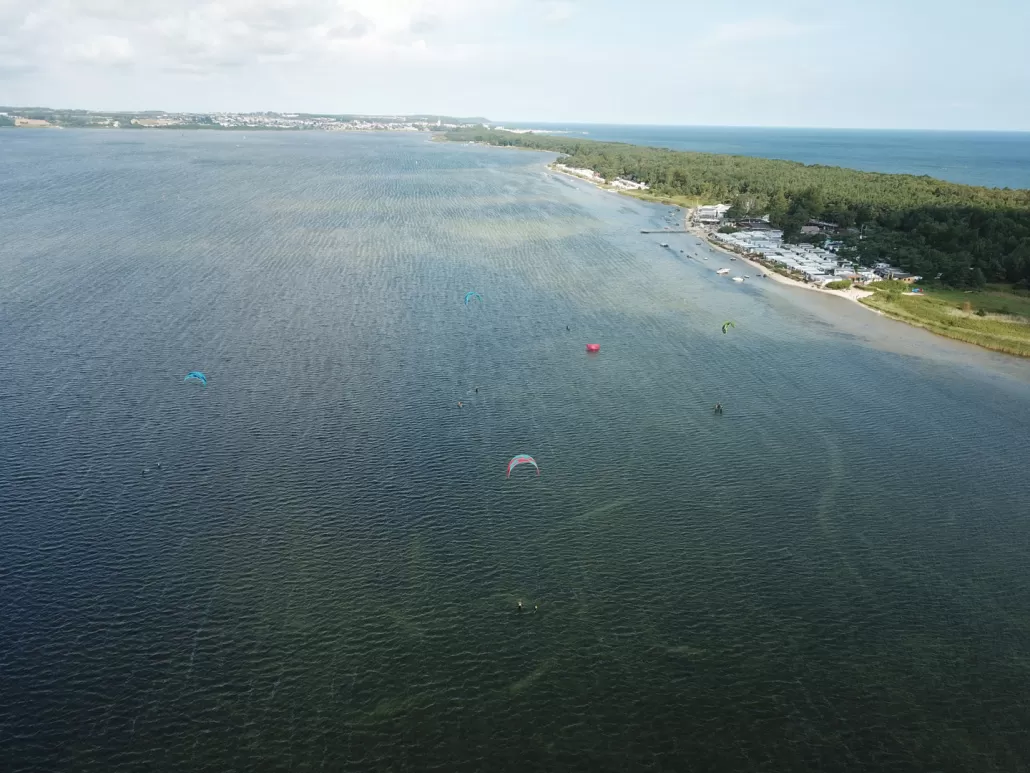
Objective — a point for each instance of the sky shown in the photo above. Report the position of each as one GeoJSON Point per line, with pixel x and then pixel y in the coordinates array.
{"type": "Point", "coordinates": [932, 64]}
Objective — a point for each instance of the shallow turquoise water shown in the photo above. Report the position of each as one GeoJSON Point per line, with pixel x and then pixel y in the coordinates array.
{"type": "Point", "coordinates": [323, 573]}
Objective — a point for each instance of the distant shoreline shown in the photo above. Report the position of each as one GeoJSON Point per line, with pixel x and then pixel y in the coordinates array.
{"type": "Point", "coordinates": [193, 128]}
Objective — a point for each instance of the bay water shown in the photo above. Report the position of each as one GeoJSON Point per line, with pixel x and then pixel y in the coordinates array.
{"type": "Point", "coordinates": [314, 562]}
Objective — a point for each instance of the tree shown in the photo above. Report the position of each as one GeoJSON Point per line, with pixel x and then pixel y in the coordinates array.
{"type": "Point", "coordinates": [744, 205]}
{"type": "Point", "coordinates": [926, 226]}
{"type": "Point", "coordinates": [778, 204]}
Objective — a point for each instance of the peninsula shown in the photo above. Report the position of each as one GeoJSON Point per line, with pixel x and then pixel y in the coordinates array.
{"type": "Point", "coordinates": [952, 258]}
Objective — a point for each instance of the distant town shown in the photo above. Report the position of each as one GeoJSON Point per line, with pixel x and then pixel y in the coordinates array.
{"type": "Point", "coordinates": [41, 118]}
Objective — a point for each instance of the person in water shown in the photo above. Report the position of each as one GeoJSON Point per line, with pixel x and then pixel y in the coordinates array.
{"type": "Point", "coordinates": [520, 605]}
{"type": "Point", "coordinates": [459, 404]}
{"type": "Point", "coordinates": [477, 390]}
{"type": "Point", "coordinates": [568, 328]}
{"type": "Point", "coordinates": [718, 407]}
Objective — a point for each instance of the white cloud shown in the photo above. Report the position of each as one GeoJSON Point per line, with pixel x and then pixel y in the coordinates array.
{"type": "Point", "coordinates": [209, 35]}
{"type": "Point", "coordinates": [351, 25]}
{"type": "Point", "coordinates": [757, 29]}
{"type": "Point", "coordinates": [559, 11]}
{"type": "Point", "coordinates": [423, 24]}
{"type": "Point", "coordinates": [499, 58]}
{"type": "Point", "coordinates": [103, 50]}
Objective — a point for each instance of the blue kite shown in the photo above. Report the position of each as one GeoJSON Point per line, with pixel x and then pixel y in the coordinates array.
{"type": "Point", "coordinates": [472, 294]}
{"type": "Point", "coordinates": [196, 375]}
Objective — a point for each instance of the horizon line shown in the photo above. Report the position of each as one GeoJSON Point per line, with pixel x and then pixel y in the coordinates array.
{"type": "Point", "coordinates": [548, 122]}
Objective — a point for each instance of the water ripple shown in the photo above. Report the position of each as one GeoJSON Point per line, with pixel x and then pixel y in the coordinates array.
{"type": "Point", "coordinates": [323, 571]}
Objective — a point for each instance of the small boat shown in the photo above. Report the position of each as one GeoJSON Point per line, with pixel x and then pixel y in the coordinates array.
{"type": "Point", "coordinates": [664, 244]}
{"type": "Point", "coordinates": [747, 276]}
{"type": "Point", "coordinates": [722, 271]}
{"type": "Point", "coordinates": [738, 279]}
{"type": "Point", "coordinates": [593, 348]}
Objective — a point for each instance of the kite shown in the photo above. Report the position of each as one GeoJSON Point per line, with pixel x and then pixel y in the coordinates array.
{"type": "Point", "coordinates": [521, 459]}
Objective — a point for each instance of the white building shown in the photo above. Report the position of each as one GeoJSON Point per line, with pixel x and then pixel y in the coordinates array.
{"type": "Point", "coordinates": [711, 214]}
{"type": "Point", "coordinates": [628, 185]}
{"type": "Point", "coordinates": [586, 174]}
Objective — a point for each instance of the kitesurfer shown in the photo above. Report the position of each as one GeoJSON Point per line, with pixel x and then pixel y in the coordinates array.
{"type": "Point", "coordinates": [459, 404]}
{"type": "Point", "coordinates": [718, 407]}
{"type": "Point", "coordinates": [568, 328]}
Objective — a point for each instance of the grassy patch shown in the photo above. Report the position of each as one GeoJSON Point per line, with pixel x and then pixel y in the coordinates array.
{"type": "Point", "coordinates": [687, 202]}
{"type": "Point", "coordinates": [840, 284]}
{"type": "Point", "coordinates": [993, 319]}
{"type": "Point", "coordinates": [992, 300]}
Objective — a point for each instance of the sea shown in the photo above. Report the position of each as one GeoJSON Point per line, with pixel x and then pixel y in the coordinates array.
{"type": "Point", "coordinates": [990, 159]}
{"type": "Point", "coordinates": [315, 561]}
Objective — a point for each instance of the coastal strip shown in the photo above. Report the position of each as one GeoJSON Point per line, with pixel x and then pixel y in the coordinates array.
{"type": "Point", "coordinates": [854, 294]}
{"type": "Point", "coordinates": [953, 259]}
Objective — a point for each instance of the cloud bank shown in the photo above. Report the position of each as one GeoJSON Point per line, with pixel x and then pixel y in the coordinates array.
{"type": "Point", "coordinates": [868, 63]}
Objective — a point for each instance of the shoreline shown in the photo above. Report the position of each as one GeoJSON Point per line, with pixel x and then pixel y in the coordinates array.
{"type": "Point", "coordinates": [984, 340]}
{"type": "Point", "coordinates": [852, 294]}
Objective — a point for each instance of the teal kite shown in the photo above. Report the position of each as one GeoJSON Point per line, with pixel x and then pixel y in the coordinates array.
{"type": "Point", "coordinates": [521, 459]}
{"type": "Point", "coordinates": [472, 294]}
{"type": "Point", "coordinates": [196, 375]}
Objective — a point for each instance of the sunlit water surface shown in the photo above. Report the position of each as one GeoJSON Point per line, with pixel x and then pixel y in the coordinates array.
{"type": "Point", "coordinates": [322, 573]}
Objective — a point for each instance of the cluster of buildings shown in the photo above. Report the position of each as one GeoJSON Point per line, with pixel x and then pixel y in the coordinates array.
{"type": "Point", "coordinates": [816, 264]}
{"type": "Point", "coordinates": [29, 122]}
{"type": "Point", "coordinates": [819, 265]}
{"type": "Point", "coordinates": [586, 174]}
{"type": "Point", "coordinates": [628, 185]}
{"type": "Point", "coordinates": [162, 120]}
{"type": "Point", "coordinates": [324, 123]}
{"type": "Point", "coordinates": [887, 271]}
{"type": "Point", "coordinates": [618, 183]}
{"type": "Point", "coordinates": [712, 214]}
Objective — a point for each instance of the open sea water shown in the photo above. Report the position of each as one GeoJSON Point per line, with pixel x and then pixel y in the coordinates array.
{"type": "Point", "coordinates": [990, 159]}
{"type": "Point", "coordinates": [320, 568]}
